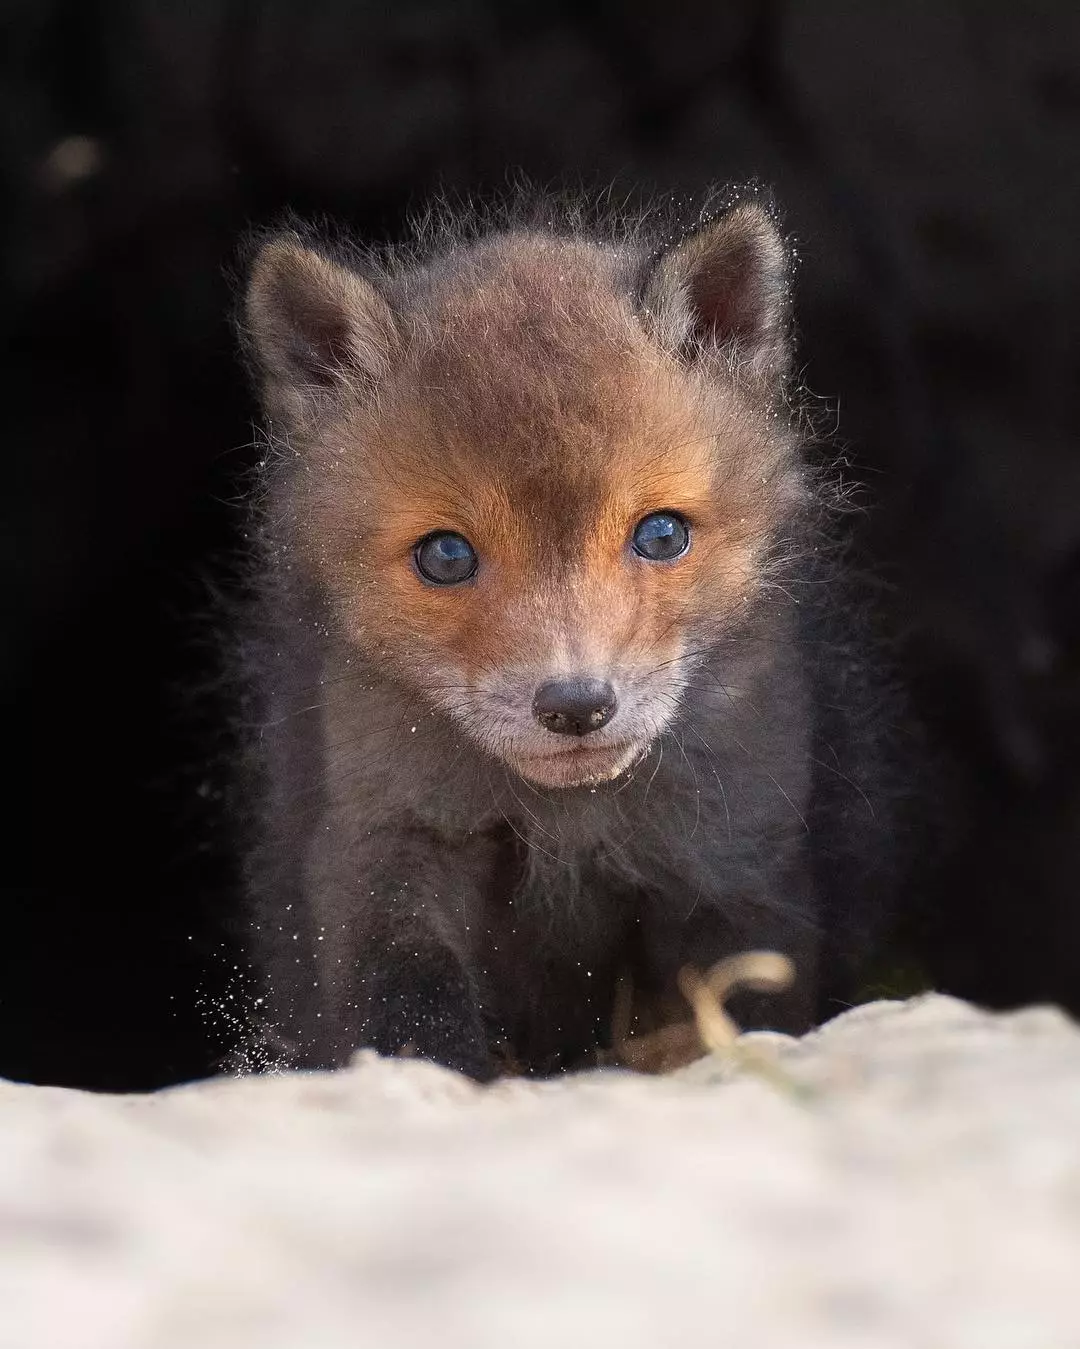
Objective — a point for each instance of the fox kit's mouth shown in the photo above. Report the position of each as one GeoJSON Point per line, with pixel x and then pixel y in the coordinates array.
{"type": "Point", "coordinates": [580, 765]}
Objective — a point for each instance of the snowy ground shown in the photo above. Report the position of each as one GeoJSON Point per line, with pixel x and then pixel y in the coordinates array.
{"type": "Point", "coordinates": [912, 1178]}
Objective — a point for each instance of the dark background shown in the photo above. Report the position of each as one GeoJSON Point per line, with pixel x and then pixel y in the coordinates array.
{"type": "Point", "coordinates": [927, 158]}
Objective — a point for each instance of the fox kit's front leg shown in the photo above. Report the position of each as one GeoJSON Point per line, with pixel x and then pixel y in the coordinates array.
{"type": "Point", "coordinates": [390, 953]}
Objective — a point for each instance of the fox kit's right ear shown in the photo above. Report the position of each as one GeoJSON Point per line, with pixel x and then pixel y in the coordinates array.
{"type": "Point", "coordinates": [319, 331]}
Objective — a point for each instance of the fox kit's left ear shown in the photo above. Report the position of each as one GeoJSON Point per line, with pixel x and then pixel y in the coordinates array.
{"type": "Point", "coordinates": [727, 285]}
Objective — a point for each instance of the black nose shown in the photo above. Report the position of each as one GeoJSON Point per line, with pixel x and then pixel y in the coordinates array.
{"type": "Point", "coordinates": [574, 706]}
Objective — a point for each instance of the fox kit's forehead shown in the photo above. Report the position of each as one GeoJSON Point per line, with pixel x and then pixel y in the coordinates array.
{"type": "Point", "coordinates": [529, 365]}
{"type": "Point", "coordinates": [528, 342]}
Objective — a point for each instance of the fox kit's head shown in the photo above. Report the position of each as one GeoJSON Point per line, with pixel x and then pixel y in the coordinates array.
{"type": "Point", "coordinates": [538, 476]}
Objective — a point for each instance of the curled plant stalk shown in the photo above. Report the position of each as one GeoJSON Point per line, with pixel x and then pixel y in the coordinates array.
{"type": "Point", "coordinates": [753, 971]}
{"type": "Point", "coordinates": [711, 1030]}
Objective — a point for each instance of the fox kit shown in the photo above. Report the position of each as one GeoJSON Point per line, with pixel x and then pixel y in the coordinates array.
{"type": "Point", "coordinates": [553, 685]}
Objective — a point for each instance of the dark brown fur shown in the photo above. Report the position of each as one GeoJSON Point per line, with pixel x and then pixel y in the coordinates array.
{"type": "Point", "coordinates": [433, 871]}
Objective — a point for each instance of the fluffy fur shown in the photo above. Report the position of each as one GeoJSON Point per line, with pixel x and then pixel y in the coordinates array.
{"type": "Point", "coordinates": [432, 871]}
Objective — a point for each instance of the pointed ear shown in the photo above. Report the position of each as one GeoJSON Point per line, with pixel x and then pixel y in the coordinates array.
{"type": "Point", "coordinates": [318, 331]}
{"type": "Point", "coordinates": [728, 284]}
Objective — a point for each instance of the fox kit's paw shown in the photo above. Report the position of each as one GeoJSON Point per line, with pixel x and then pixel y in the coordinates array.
{"type": "Point", "coordinates": [423, 1005]}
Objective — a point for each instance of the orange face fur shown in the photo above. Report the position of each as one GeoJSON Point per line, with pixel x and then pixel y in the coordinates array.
{"type": "Point", "coordinates": [522, 402]}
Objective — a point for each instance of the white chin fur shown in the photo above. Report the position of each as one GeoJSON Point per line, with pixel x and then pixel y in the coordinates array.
{"type": "Point", "coordinates": [580, 768]}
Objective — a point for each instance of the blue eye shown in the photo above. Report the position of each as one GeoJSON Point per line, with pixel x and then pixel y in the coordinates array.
{"type": "Point", "coordinates": [661, 536]}
{"type": "Point", "coordinates": [445, 559]}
